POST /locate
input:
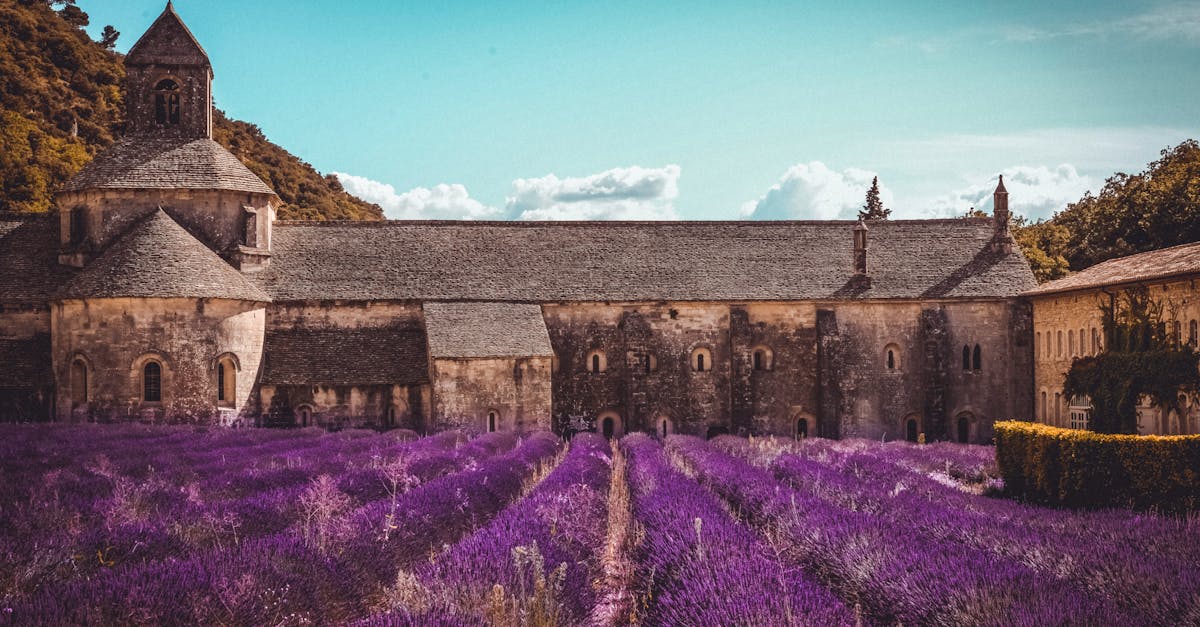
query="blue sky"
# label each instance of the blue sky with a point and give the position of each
(701, 110)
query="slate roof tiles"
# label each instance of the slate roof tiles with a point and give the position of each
(144, 162)
(1168, 262)
(473, 330)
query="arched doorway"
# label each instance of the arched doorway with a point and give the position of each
(665, 427)
(801, 428)
(304, 415)
(493, 421)
(911, 429)
(609, 425)
(79, 383)
(964, 428)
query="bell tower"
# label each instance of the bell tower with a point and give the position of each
(168, 82)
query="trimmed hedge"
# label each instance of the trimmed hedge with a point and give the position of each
(1086, 469)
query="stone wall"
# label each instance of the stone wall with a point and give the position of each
(516, 390)
(115, 337)
(215, 217)
(195, 99)
(1058, 322)
(26, 388)
(342, 406)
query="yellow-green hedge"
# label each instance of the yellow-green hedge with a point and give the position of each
(1087, 469)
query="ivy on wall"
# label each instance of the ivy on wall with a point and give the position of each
(1141, 358)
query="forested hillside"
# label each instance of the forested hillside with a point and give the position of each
(60, 104)
(1156, 208)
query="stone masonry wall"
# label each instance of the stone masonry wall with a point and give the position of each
(187, 336)
(517, 389)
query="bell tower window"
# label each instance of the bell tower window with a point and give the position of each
(166, 102)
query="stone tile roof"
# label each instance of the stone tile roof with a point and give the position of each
(168, 41)
(26, 362)
(1179, 260)
(637, 261)
(348, 356)
(469, 330)
(157, 258)
(144, 162)
(29, 270)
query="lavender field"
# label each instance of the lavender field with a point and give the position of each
(129, 524)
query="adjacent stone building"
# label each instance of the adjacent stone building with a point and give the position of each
(165, 290)
(1067, 325)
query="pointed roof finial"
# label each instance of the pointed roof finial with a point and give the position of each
(861, 226)
(1000, 188)
(168, 41)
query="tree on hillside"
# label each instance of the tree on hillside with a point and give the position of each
(1141, 358)
(1044, 243)
(874, 209)
(1158, 208)
(108, 37)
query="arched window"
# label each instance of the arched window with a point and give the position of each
(1057, 407)
(596, 362)
(166, 102)
(1071, 343)
(79, 382)
(1082, 344)
(1045, 414)
(1192, 334)
(226, 382)
(1037, 344)
(1095, 342)
(1177, 333)
(1059, 353)
(152, 382)
(977, 359)
(702, 360)
(964, 428)
(762, 358)
(665, 426)
(304, 415)
(891, 356)
(911, 430)
(801, 428)
(493, 420)
(966, 358)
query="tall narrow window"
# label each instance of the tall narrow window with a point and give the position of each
(226, 381)
(76, 225)
(1177, 333)
(166, 102)
(1057, 407)
(701, 360)
(758, 360)
(966, 357)
(1045, 415)
(1082, 344)
(152, 382)
(1192, 334)
(977, 359)
(491, 425)
(595, 363)
(802, 428)
(1037, 344)
(911, 430)
(79, 382)
(1060, 344)
(1071, 343)
(221, 382)
(964, 429)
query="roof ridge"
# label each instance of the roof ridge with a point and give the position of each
(578, 223)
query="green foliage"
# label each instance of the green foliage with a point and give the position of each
(1158, 208)
(61, 103)
(873, 209)
(1085, 469)
(1140, 359)
(1044, 244)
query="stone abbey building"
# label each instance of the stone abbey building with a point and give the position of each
(165, 290)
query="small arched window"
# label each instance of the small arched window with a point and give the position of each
(1045, 411)
(596, 362)
(1071, 343)
(977, 359)
(1037, 344)
(609, 425)
(226, 382)
(966, 358)
(762, 358)
(1057, 407)
(801, 428)
(702, 360)
(303, 415)
(665, 427)
(1192, 334)
(1177, 333)
(493, 420)
(166, 102)
(152, 382)
(1082, 344)
(911, 430)
(891, 356)
(79, 382)
(1095, 341)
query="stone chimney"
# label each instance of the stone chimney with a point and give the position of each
(1002, 239)
(860, 248)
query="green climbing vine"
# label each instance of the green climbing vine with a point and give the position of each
(1141, 357)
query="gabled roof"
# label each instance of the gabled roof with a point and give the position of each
(157, 258)
(347, 356)
(144, 162)
(167, 42)
(473, 330)
(638, 261)
(29, 270)
(1182, 260)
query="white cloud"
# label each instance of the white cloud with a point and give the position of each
(632, 193)
(1180, 20)
(1033, 191)
(442, 202)
(812, 191)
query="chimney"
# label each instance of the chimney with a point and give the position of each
(1002, 240)
(860, 248)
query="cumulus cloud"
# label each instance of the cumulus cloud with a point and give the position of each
(1033, 191)
(813, 191)
(441, 202)
(633, 193)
